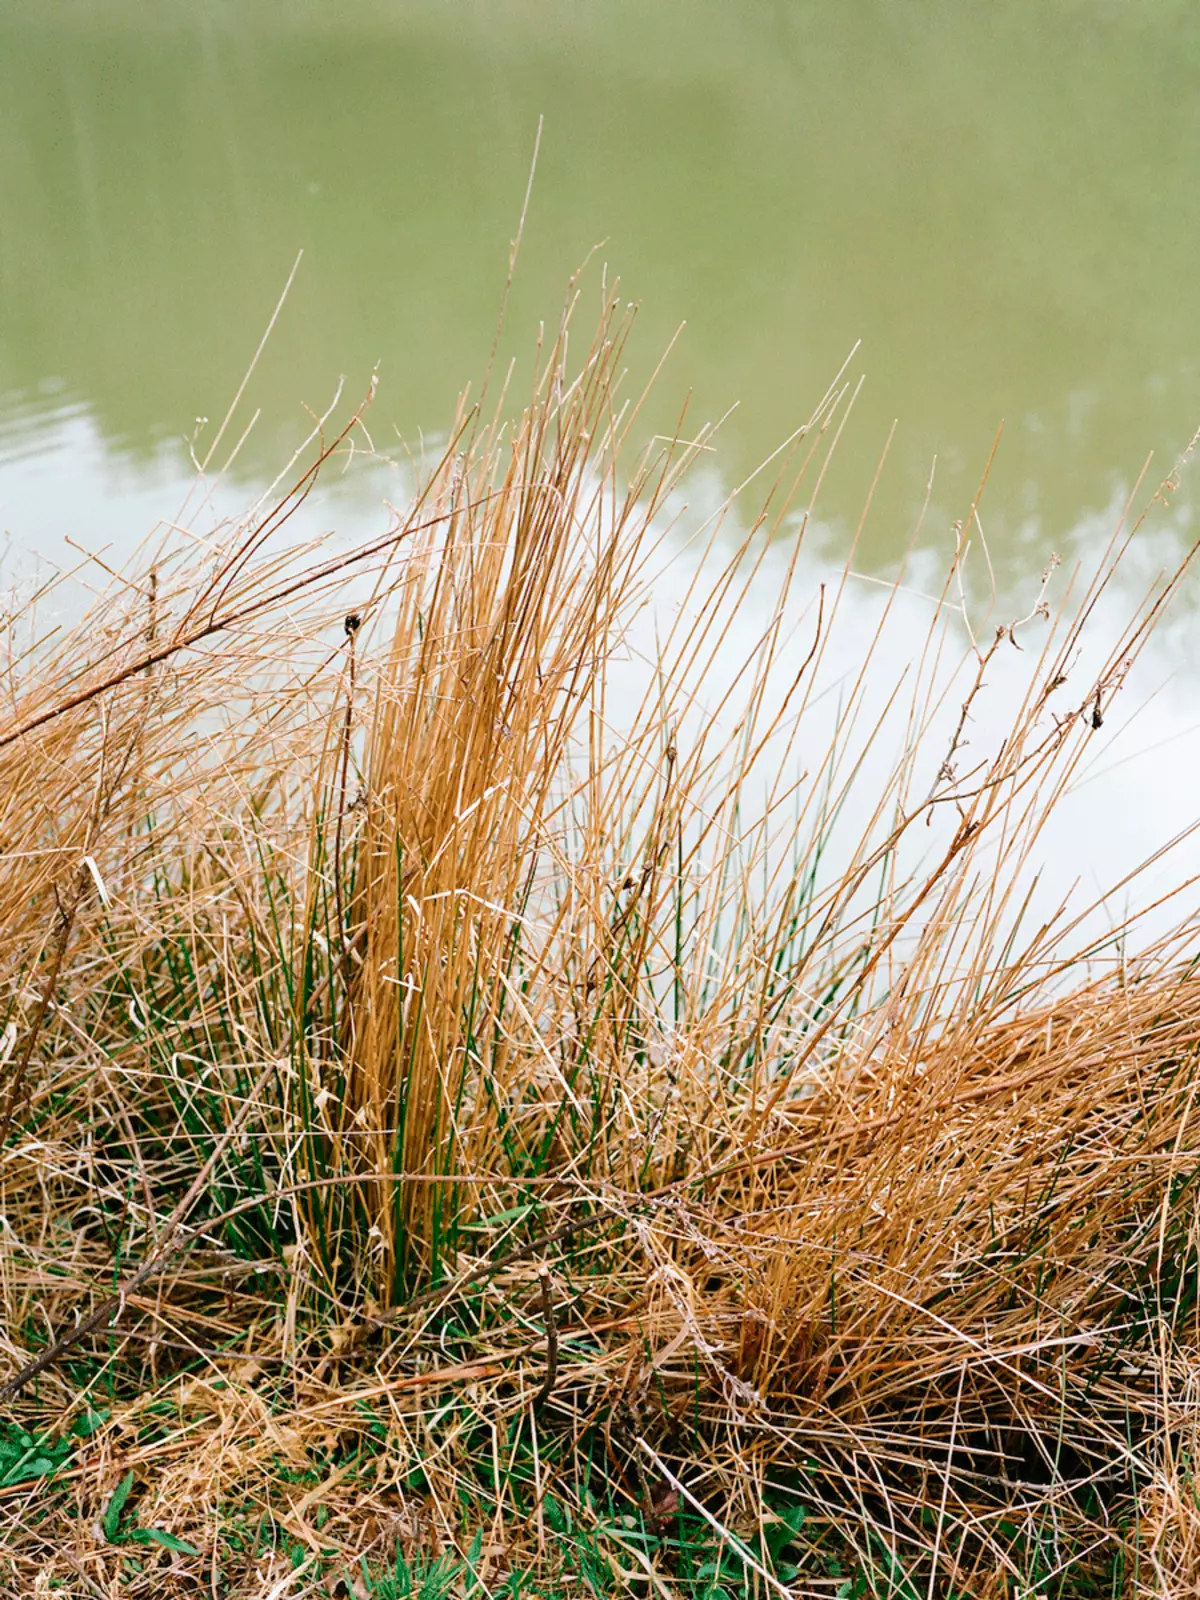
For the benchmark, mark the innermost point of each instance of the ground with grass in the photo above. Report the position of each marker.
(472, 1129)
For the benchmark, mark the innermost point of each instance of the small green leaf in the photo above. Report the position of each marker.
(556, 1515)
(112, 1515)
(22, 1457)
(498, 1218)
(15, 1446)
(167, 1540)
(85, 1426)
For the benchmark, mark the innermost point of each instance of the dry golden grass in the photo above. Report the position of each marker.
(458, 1115)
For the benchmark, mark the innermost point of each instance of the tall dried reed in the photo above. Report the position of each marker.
(456, 1015)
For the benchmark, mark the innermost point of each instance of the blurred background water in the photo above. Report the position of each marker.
(992, 203)
(998, 199)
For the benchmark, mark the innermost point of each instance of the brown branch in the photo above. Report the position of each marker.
(352, 624)
(544, 1393)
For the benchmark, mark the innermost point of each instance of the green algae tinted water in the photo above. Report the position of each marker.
(999, 198)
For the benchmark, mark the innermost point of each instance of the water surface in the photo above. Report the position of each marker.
(992, 203)
(997, 199)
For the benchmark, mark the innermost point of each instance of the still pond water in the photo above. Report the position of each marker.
(994, 203)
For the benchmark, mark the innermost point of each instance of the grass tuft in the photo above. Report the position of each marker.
(504, 1096)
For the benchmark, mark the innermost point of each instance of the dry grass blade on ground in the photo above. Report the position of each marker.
(491, 1106)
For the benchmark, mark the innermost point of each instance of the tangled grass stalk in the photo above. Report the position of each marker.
(551, 1105)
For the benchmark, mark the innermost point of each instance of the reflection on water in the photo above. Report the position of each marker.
(1131, 795)
(999, 200)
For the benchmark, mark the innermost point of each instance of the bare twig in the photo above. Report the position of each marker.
(547, 1388)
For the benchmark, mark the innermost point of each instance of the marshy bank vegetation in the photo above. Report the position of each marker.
(474, 1127)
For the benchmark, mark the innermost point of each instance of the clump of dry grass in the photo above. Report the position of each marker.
(451, 1111)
